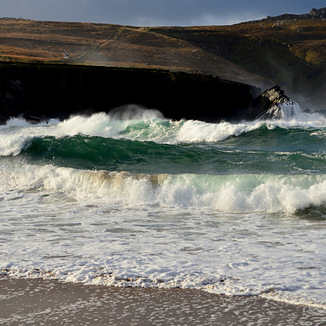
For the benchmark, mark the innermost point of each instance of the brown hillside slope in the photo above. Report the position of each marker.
(288, 51)
(110, 45)
(291, 53)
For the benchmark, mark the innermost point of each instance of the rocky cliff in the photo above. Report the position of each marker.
(44, 91)
(288, 50)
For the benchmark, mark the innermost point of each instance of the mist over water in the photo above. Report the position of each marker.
(132, 198)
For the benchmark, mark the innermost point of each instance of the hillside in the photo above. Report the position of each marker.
(288, 50)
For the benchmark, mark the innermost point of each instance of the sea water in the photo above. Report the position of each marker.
(135, 199)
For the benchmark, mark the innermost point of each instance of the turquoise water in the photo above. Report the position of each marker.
(277, 150)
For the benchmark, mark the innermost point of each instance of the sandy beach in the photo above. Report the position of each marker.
(49, 302)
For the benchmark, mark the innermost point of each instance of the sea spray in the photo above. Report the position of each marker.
(134, 112)
(290, 114)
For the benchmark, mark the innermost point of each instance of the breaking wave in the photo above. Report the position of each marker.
(226, 193)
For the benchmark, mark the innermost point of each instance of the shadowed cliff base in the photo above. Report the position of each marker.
(43, 91)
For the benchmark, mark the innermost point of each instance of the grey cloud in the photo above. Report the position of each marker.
(154, 12)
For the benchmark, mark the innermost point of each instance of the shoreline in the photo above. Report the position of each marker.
(51, 302)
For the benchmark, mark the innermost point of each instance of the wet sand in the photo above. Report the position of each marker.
(49, 302)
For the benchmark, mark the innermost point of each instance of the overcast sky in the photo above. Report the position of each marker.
(155, 12)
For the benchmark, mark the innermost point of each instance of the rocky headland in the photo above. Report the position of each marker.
(212, 73)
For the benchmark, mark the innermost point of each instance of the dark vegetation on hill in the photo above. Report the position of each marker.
(289, 50)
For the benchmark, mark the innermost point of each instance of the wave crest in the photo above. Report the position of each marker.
(226, 193)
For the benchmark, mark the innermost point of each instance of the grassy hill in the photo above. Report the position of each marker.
(291, 53)
(288, 50)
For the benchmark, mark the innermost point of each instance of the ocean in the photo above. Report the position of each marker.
(134, 199)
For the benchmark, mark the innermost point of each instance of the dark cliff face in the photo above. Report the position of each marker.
(43, 91)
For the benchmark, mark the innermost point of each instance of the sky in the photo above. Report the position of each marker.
(155, 12)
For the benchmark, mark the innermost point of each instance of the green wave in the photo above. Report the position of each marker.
(280, 139)
(236, 155)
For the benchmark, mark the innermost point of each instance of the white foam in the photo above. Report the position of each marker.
(197, 131)
(106, 125)
(191, 231)
(239, 193)
(290, 114)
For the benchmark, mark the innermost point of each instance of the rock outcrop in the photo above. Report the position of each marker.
(271, 104)
(313, 14)
(318, 13)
